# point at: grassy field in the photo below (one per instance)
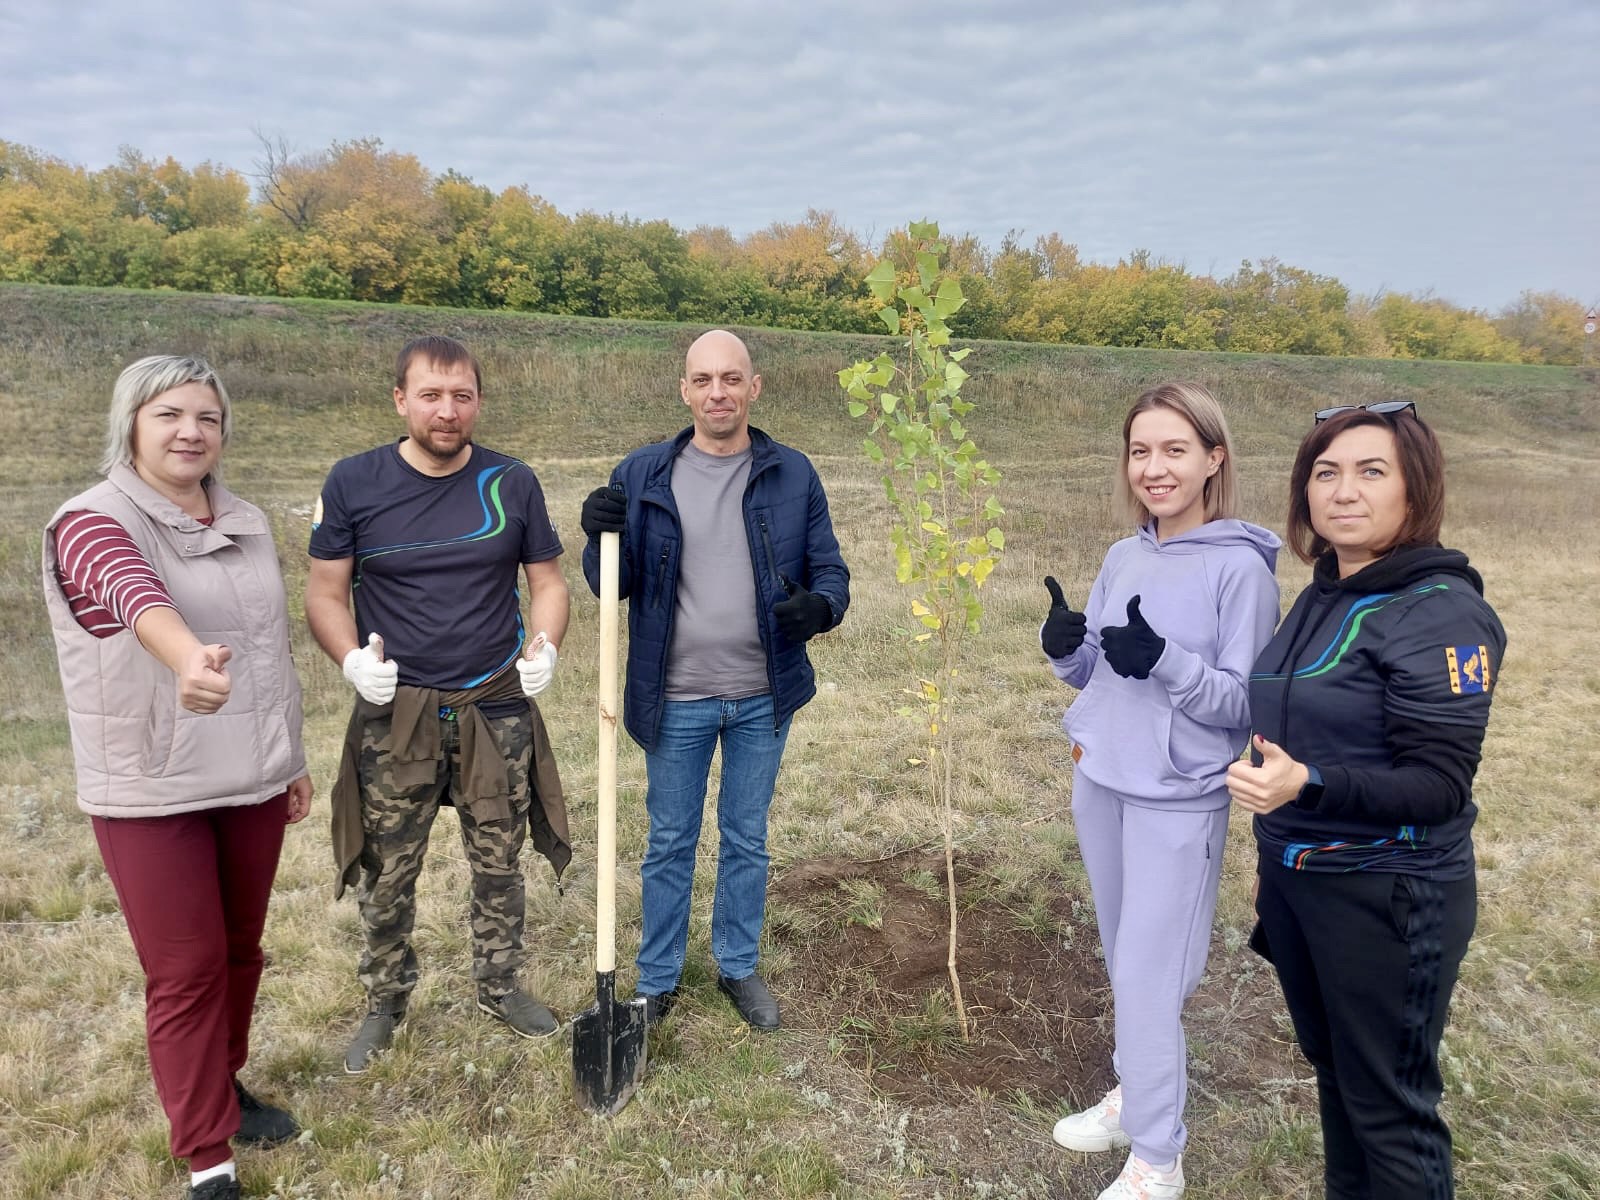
(845, 1102)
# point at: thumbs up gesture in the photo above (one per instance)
(204, 684)
(1276, 781)
(537, 666)
(1063, 629)
(372, 675)
(1132, 650)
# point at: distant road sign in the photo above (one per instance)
(1588, 326)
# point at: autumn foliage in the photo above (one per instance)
(358, 221)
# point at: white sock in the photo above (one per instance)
(196, 1178)
(1163, 1168)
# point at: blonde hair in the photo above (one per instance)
(140, 383)
(1195, 404)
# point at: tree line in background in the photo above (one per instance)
(359, 222)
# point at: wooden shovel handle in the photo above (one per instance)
(605, 934)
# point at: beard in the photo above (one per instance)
(442, 445)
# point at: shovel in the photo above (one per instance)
(608, 1044)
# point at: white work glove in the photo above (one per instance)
(537, 666)
(369, 674)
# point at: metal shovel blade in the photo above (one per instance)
(608, 1049)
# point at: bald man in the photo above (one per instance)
(729, 567)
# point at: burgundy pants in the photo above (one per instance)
(194, 889)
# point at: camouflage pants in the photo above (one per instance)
(398, 805)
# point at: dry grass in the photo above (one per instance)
(461, 1109)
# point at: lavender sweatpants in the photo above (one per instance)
(1154, 874)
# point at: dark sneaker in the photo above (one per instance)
(262, 1124)
(751, 997)
(374, 1037)
(521, 1012)
(658, 1006)
(218, 1188)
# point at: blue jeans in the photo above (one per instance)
(678, 770)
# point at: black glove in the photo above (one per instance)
(605, 510)
(1063, 629)
(1132, 649)
(803, 615)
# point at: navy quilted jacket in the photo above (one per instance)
(790, 534)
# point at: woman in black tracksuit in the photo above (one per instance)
(1369, 707)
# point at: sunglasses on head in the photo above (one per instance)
(1388, 408)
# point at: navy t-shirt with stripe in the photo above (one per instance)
(437, 560)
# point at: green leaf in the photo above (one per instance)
(958, 355)
(902, 564)
(888, 400)
(880, 280)
(890, 317)
(923, 230)
(997, 538)
(927, 268)
(948, 297)
(992, 509)
(858, 409)
(980, 570)
(954, 376)
(916, 298)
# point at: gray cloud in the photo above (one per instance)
(1416, 146)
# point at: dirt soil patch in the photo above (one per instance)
(868, 941)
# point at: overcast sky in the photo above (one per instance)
(1451, 147)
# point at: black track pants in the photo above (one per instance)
(1367, 961)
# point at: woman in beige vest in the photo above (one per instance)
(172, 636)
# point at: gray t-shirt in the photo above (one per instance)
(716, 647)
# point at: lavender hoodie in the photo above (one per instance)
(1169, 739)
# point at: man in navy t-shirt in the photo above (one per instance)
(429, 536)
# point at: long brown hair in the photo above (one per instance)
(1421, 464)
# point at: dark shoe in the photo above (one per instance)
(658, 1006)
(525, 1015)
(751, 997)
(374, 1037)
(262, 1124)
(218, 1188)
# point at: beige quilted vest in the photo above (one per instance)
(138, 753)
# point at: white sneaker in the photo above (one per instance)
(1094, 1129)
(1140, 1181)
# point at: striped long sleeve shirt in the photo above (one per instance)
(107, 580)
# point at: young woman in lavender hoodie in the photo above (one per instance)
(1162, 653)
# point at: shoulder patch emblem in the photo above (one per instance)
(1470, 673)
(316, 512)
